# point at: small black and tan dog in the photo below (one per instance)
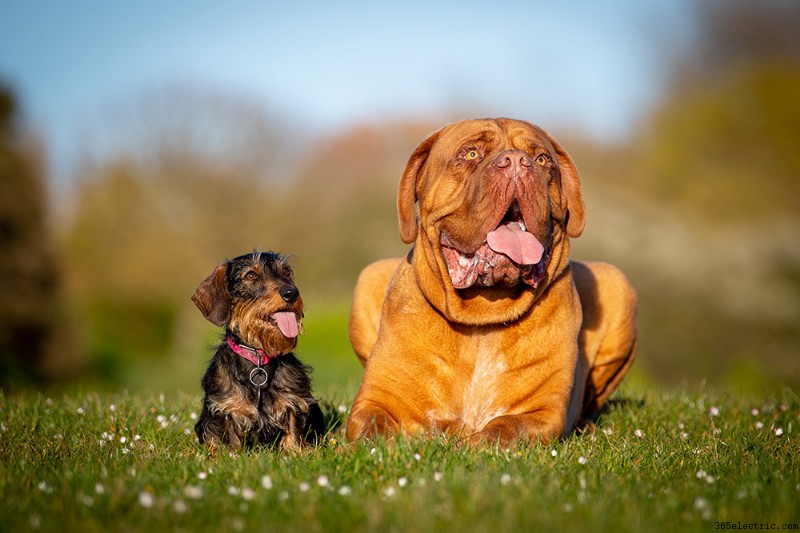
(256, 390)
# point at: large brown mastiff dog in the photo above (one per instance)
(486, 330)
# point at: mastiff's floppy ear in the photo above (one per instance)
(212, 297)
(407, 191)
(571, 189)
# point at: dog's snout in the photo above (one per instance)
(513, 161)
(289, 293)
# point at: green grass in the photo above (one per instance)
(681, 461)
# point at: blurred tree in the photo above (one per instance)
(737, 34)
(34, 341)
(724, 144)
(177, 195)
(699, 208)
(343, 204)
(190, 182)
(729, 151)
(719, 273)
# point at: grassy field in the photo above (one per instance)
(87, 461)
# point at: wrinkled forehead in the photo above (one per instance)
(501, 134)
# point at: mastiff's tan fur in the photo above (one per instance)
(487, 330)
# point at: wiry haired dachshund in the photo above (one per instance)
(256, 390)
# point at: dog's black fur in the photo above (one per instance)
(242, 295)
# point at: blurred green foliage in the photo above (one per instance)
(719, 161)
(36, 344)
(727, 151)
(699, 208)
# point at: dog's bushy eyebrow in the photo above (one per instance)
(282, 264)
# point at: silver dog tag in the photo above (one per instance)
(259, 377)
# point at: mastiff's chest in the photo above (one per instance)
(482, 381)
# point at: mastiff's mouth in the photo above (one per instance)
(508, 255)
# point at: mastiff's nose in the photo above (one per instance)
(513, 162)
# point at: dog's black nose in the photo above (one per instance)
(289, 293)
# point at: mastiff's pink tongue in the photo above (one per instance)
(520, 246)
(287, 323)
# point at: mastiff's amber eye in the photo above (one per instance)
(471, 155)
(251, 276)
(542, 160)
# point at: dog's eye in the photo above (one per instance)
(542, 160)
(251, 276)
(471, 155)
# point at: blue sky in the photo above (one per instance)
(588, 65)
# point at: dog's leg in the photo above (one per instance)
(292, 440)
(610, 368)
(314, 424)
(368, 421)
(608, 335)
(543, 425)
(200, 426)
(216, 432)
(368, 298)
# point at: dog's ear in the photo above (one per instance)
(571, 188)
(407, 191)
(212, 297)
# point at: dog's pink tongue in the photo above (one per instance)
(520, 246)
(287, 323)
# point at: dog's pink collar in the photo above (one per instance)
(257, 357)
